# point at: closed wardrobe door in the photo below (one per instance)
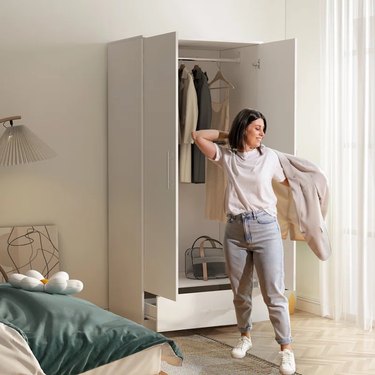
(160, 165)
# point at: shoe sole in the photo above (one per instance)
(239, 357)
(235, 357)
(287, 373)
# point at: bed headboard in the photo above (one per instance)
(28, 247)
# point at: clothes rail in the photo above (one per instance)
(209, 59)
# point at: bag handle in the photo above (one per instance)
(207, 238)
(202, 255)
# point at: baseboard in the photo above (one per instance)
(309, 305)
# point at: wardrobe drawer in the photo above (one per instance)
(205, 309)
(150, 309)
(150, 313)
(198, 310)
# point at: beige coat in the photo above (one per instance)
(188, 116)
(303, 205)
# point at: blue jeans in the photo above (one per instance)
(253, 239)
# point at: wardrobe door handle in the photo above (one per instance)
(170, 170)
(168, 174)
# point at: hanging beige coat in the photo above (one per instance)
(188, 117)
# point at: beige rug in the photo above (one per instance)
(205, 356)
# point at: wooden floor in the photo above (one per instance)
(321, 346)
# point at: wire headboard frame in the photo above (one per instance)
(3, 273)
(28, 247)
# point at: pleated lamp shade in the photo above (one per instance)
(19, 145)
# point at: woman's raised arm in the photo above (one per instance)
(204, 139)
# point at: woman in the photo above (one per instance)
(252, 234)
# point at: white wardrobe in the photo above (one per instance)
(153, 218)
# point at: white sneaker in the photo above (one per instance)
(243, 345)
(288, 365)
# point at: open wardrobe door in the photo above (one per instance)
(160, 165)
(267, 73)
(276, 82)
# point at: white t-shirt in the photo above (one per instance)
(249, 175)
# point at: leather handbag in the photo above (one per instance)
(205, 259)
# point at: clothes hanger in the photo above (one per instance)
(220, 77)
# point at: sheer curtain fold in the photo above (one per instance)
(348, 108)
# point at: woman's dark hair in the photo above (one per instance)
(236, 134)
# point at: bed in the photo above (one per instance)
(55, 334)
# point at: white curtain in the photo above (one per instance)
(348, 136)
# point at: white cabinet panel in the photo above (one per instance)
(160, 164)
(125, 220)
(277, 99)
(265, 80)
(276, 93)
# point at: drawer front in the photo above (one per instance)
(195, 310)
(198, 310)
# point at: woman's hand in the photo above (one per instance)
(285, 182)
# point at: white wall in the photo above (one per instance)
(53, 73)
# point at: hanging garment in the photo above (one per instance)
(188, 117)
(303, 206)
(204, 122)
(215, 178)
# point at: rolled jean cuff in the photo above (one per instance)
(284, 341)
(245, 330)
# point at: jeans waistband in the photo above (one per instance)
(246, 215)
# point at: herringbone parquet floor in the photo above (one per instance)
(321, 346)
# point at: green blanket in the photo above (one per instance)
(69, 335)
